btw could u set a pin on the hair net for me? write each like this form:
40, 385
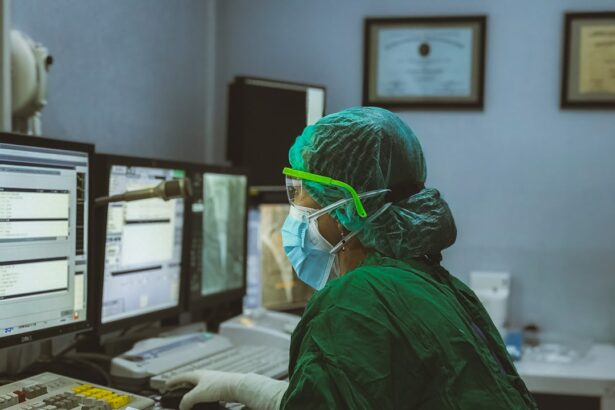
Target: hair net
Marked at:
371, 148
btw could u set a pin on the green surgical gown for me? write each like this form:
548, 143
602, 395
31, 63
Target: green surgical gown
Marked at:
397, 335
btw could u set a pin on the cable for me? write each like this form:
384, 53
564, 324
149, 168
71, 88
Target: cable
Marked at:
94, 357
93, 366
67, 349
135, 328
5, 380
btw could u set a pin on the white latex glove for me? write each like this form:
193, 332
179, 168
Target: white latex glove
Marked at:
255, 391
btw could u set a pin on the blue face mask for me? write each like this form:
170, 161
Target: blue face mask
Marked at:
310, 254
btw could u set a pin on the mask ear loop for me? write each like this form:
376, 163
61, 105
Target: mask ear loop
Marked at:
343, 201
351, 235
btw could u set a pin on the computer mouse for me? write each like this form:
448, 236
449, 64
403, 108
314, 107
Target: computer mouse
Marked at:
172, 398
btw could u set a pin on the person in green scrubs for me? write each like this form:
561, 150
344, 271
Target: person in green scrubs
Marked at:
388, 327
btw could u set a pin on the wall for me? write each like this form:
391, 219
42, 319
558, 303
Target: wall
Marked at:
127, 75
532, 187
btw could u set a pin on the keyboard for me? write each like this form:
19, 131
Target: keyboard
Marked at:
263, 360
49, 391
282, 322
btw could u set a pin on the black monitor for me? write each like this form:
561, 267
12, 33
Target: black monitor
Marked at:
140, 244
218, 225
45, 238
265, 117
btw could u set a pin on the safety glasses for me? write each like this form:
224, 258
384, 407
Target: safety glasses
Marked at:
295, 189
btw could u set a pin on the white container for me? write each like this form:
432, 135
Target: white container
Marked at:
493, 290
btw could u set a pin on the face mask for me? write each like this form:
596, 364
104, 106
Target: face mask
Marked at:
310, 254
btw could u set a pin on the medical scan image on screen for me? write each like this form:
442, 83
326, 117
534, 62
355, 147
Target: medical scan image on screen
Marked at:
281, 289
143, 246
43, 238
223, 232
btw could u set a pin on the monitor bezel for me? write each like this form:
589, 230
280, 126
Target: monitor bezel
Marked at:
194, 304
103, 165
89, 323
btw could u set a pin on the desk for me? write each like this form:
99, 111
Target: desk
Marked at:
593, 375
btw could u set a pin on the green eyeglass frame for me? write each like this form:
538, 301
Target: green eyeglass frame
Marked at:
328, 181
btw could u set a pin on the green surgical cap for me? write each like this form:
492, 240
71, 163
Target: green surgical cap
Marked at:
371, 148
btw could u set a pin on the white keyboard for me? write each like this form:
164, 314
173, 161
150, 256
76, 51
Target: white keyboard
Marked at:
49, 391
263, 360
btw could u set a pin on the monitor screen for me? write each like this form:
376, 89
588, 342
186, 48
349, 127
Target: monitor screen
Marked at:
143, 246
218, 226
44, 207
272, 282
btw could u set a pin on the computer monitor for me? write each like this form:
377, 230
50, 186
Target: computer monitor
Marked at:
140, 243
218, 225
274, 111
45, 258
272, 282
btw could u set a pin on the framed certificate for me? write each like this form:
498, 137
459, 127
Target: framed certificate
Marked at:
588, 66
425, 62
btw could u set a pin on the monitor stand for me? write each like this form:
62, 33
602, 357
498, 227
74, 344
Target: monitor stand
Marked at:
91, 369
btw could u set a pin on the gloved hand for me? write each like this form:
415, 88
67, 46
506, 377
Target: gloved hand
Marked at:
255, 391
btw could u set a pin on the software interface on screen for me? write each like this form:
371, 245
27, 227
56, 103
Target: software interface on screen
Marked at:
43, 238
143, 246
218, 232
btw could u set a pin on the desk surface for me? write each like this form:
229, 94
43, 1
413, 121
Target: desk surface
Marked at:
593, 375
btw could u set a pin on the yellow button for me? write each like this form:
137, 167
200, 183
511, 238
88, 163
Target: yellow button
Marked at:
102, 393
82, 387
115, 403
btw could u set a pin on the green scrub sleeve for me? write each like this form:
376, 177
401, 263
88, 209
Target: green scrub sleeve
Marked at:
332, 370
